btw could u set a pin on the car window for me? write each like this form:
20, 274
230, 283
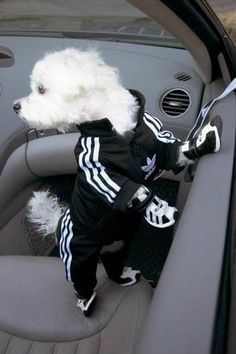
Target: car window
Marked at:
226, 11
114, 18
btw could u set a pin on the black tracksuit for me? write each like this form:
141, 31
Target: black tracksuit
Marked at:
111, 168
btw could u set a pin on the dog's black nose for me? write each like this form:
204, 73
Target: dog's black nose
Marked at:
17, 107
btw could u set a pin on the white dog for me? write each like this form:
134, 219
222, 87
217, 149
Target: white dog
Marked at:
115, 169
71, 87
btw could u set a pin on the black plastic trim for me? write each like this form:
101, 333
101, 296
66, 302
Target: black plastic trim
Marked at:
6, 57
226, 295
14, 141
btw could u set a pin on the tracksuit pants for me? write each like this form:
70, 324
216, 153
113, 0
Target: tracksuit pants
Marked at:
81, 251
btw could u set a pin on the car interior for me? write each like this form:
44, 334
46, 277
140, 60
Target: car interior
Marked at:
181, 268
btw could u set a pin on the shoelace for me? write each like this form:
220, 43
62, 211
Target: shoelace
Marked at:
200, 137
126, 271
80, 301
161, 208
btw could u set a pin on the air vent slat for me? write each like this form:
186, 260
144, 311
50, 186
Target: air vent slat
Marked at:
177, 99
180, 109
175, 102
177, 95
183, 77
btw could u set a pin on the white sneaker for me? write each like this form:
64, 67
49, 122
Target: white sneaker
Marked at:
207, 141
160, 214
129, 277
87, 305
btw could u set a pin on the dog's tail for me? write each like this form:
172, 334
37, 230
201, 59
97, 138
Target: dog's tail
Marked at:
44, 212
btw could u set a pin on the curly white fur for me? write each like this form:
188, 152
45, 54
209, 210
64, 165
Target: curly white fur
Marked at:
71, 87
44, 212
74, 86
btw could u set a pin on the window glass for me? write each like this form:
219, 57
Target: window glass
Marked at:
226, 10
114, 18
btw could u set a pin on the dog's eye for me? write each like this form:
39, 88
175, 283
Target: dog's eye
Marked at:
41, 89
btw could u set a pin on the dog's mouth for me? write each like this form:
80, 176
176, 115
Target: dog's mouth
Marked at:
27, 122
17, 107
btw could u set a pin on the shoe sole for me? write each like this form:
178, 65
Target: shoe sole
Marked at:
217, 123
90, 306
168, 224
92, 302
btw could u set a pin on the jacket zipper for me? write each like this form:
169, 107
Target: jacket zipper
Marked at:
135, 153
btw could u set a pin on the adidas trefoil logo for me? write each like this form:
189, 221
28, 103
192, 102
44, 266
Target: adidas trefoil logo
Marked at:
150, 167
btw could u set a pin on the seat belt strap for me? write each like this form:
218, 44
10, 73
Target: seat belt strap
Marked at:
202, 119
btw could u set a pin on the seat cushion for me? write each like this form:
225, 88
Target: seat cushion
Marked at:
37, 304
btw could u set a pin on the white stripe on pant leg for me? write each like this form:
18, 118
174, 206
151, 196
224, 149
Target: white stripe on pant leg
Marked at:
61, 231
65, 235
68, 263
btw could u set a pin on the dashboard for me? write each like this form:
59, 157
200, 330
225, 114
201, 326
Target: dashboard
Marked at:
166, 76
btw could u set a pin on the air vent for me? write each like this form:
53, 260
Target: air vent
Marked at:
183, 77
175, 102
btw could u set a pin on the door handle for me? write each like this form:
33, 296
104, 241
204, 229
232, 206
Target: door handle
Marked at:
6, 57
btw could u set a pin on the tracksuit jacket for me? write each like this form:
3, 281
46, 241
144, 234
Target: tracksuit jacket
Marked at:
111, 168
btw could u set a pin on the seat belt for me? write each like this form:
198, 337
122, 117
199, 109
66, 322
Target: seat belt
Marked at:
203, 119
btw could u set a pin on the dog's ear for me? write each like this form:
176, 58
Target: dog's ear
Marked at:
99, 76
89, 74
78, 74
79, 86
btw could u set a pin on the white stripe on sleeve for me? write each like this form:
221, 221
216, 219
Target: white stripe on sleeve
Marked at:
108, 180
155, 125
95, 172
87, 167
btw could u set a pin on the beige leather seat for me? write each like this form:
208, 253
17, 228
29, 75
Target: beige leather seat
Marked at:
38, 311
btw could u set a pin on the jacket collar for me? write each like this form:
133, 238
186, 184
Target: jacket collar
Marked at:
104, 127
97, 127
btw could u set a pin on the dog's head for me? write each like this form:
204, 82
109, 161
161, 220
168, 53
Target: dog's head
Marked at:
68, 87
